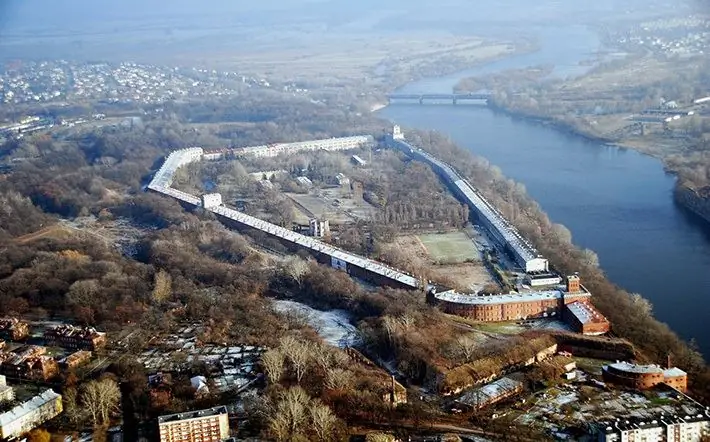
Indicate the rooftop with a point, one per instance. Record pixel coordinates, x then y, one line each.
463 298
648 369
197 414
490 392
585 312
27 407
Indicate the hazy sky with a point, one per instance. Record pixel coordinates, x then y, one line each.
70 28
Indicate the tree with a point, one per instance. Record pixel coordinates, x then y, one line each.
72 410
290 414
589 257
273 362
562 233
162 287
323 421
298 354
467 347
322 355
295 268
101 399
338 379
39 435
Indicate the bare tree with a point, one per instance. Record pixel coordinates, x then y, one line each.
162 287
290 414
467 347
642 304
101 399
322 355
323 421
391 325
83 292
273 362
590 258
295 268
72 410
338 379
407 320
561 233
298 354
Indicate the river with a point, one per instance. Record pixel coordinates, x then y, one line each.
616 202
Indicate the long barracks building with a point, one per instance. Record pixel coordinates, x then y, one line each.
483 308
488 216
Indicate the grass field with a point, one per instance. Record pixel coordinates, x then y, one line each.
450 248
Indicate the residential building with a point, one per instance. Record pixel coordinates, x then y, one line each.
211 425
13 329
28 362
69 336
662 428
643 377
30 414
76 359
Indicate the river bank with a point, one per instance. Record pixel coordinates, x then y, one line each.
688 198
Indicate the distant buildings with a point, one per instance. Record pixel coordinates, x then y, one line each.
666 428
29 415
211 425
643 377
13 329
69 336
75 359
28 362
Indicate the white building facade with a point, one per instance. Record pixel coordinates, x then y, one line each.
31 414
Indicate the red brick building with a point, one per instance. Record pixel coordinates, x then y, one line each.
512 306
585 319
28 362
69 336
643 377
13 329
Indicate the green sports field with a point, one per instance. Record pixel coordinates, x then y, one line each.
449 248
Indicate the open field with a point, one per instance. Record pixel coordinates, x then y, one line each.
450 248
463 275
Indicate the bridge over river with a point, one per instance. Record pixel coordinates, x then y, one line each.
455 98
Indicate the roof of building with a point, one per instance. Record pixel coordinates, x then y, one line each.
674 372
647 369
27 407
68 330
215 411
585 312
490 392
463 298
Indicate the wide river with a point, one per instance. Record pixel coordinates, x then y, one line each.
616 202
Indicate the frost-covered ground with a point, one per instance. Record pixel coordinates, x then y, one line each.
333 326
